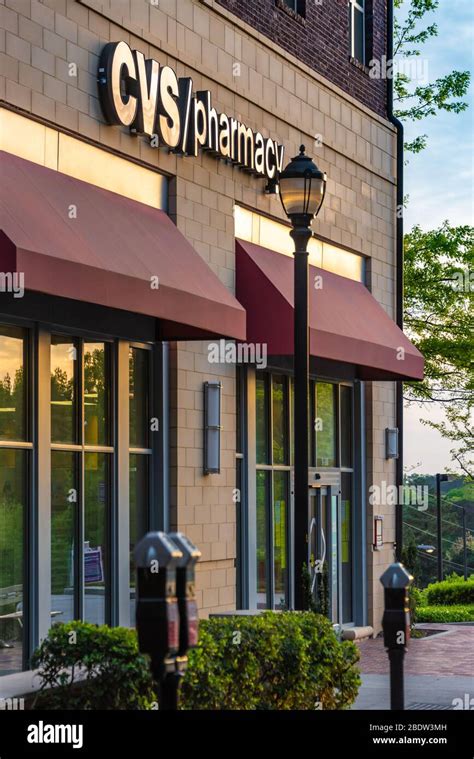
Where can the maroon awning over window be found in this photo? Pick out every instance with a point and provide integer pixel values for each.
(74, 240)
(346, 322)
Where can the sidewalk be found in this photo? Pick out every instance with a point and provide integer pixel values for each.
(438, 670)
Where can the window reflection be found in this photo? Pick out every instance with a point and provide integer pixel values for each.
(139, 498)
(325, 424)
(262, 543)
(12, 384)
(63, 390)
(139, 385)
(96, 394)
(12, 517)
(280, 548)
(96, 537)
(262, 420)
(346, 426)
(64, 504)
(280, 405)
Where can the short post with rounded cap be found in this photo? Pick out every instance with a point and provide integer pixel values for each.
(396, 627)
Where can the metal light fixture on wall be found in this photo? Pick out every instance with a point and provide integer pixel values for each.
(212, 427)
(391, 442)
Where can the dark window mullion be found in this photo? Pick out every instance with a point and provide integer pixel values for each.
(79, 344)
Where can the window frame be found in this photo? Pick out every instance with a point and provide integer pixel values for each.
(355, 6)
(29, 575)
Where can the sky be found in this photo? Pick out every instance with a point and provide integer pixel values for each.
(440, 184)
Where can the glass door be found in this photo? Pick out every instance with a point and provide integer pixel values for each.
(324, 551)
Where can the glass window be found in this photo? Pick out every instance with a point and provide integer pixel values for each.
(262, 541)
(346, 425)
(64, 505)
(139, 499)
(12, 384)
(139, 397)
(280, 542)
(357, 29)
(13, 501)
(262, 419)
(63, 390)
(346, 546)
(279, 410)
(96, 394)
(325, 424)
(96, 537)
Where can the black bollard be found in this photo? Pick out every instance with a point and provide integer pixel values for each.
(396, 628)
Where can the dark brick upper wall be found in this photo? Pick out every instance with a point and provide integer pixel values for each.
(321, 40)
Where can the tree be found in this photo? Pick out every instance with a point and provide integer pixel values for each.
(439, 317)
(416, 101)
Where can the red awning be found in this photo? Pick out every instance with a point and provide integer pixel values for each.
(106, 251)
(347, 324)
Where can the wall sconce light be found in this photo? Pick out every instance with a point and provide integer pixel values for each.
(391, 443)
(378, 532)
(212, 427)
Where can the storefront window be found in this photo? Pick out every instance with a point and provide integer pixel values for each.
(64, 378)
(279, 412)
(139, 398)
(325, 424)
(262, 419)
(96, 537)
(96, 394)
(81, 486)
(346, 546)
(13, 502)
(14, 465)
(64, 505)
(139, 392)
(280, 546)
(262, 541)
(346, 425)
(12, 384)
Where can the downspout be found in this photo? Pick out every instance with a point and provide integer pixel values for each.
(399, 278)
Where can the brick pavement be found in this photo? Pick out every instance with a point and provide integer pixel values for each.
(451, 653)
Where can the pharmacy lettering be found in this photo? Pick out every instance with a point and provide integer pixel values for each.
(151, 100)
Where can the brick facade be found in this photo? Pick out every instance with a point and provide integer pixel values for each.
(320, 39)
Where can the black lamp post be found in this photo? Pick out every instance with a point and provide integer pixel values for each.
(302, 190)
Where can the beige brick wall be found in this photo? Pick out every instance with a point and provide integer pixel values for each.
(271, 92)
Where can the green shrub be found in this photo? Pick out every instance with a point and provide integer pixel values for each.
(287, 660)
(445, 614)
(117, 676)
(449, 593)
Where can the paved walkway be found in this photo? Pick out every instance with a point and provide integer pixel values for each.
(438, 670)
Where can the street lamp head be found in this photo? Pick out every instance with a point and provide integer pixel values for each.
(302, 189)
(426, 547)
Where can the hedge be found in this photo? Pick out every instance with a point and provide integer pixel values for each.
(449, 593)
(117, 676)
(445, 614)
(286, 660)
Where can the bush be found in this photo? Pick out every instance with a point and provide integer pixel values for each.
(287, 660)
(445, 614)
(117, 676)
(450, 593)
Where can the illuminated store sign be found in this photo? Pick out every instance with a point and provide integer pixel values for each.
(151, 100)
